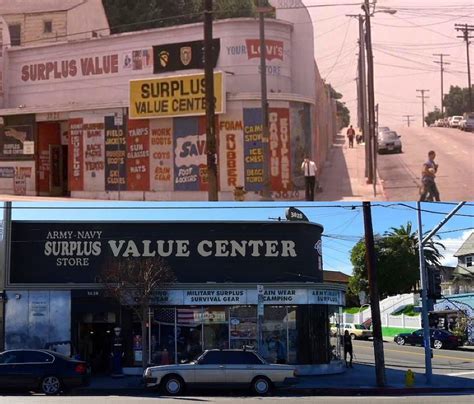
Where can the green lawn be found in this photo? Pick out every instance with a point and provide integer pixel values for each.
(354, 310)
(392, 331)
(408, 311)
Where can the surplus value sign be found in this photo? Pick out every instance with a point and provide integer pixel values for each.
(174, 96)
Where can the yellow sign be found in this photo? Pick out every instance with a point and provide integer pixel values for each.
(174, 96)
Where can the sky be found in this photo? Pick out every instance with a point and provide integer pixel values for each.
(404, 44)
(343, 222)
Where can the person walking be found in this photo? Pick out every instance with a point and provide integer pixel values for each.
(347, 344)
(428, 175)
(350, 135)
(309, 170)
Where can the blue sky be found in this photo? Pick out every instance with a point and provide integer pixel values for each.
(343, 222)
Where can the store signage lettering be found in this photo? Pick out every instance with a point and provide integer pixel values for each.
(173, 96)
(274, 49)
(213, 296)
(279, 149)
(63, 69)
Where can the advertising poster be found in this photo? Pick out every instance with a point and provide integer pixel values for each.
(231, 151)
(279, 149)
(115, 155)
(76, 150)
(300, 123)
(94, 155)
(190, 173)
(138, 155)
(161, 154)
(253, 150)
(49, 134)
(13, 139)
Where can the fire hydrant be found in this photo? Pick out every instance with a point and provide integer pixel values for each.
(409, 378)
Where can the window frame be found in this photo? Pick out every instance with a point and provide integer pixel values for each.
(15, 41)
(47, 23)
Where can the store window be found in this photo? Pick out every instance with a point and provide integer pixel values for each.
(274, 334)
(162, 336)
(243, 327)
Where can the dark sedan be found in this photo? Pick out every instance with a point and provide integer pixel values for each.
(439, 339)
(41, 370)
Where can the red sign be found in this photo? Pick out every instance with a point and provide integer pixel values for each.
(274, 49)
(138, 155)
(76, 155)
(279, 130)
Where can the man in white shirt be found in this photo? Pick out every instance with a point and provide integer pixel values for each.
(309, 170)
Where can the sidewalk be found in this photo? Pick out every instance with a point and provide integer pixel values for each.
(357, 380)
(343, 175)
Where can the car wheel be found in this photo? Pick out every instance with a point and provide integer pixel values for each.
(400, 341)
(437, 344)
(50, 385)
(353, 336)
(173, 385)
(261, 385)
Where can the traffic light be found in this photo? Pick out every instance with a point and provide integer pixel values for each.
(434, 282)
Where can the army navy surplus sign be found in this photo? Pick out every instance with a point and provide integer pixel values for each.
(76, 253)
(182, 56)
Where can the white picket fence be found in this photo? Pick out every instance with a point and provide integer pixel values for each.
(401, 321)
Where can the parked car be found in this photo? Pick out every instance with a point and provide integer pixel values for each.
(454, 121)
(221, 368)
(438, 338)
(41, 370)
(389, 141)
(356, 331)
(462, 124)
(383, 129)
(468, 119)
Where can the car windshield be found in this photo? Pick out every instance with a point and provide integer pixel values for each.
(384, 128)
(360, 327)
(389, 135)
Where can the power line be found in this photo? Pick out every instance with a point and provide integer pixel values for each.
(441, 62)
(408, 119)
(423, 96)
(466, 30)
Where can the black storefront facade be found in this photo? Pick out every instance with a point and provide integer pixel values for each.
(238, 283)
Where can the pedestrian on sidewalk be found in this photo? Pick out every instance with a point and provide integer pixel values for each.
(347, 344)
(350, 135)
(429, 190)
(309, 170)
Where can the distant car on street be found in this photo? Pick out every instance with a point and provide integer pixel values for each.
(438, 338)
(221, 368)
(389, 142)
(356, 331)
(41, 370)
(468, 122)
(454, 121)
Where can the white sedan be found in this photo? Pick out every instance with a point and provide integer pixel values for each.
(221, 368)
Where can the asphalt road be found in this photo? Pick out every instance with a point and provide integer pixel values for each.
(454, 149)
(445, 362)
(436, 399)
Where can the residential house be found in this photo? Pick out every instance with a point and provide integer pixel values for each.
(462, 276)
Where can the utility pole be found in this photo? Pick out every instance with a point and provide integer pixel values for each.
(441, 62)
(266, 191)
(408, 119)
(370, 89)
(210, 104)
(466, 29)
(423, 96)
(374, 296)
(362, 85)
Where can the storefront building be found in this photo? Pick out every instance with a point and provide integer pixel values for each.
(238, 284)
(122, 116)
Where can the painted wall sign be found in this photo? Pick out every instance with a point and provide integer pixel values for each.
(67, 68)
(161, 154)
(274, 49)
(94, 153)
(190, 159)
(76, 155)
(138, 155)
(173, 96)
(196, 251)
(231, 150)
(279, 145)
(115, 156)
(182, 56)
(253, 149)
(7, 172)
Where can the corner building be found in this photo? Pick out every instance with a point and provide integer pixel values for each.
(238, 284)
(122, 116)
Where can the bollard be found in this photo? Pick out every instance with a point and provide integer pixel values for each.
(409, 378)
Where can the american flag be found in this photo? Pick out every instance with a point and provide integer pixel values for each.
(184, 316)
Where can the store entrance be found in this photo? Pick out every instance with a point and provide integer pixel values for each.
(95, 345)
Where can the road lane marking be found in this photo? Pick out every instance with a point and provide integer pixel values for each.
(420, 354)
(460, 374)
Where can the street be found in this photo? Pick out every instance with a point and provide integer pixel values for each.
(400, 173)
(445, 362)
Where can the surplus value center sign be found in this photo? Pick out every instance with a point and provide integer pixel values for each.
(174, 96)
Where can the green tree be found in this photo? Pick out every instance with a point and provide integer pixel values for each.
(433, 116)
(342, 111)
(456, 101)
(397, 261)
